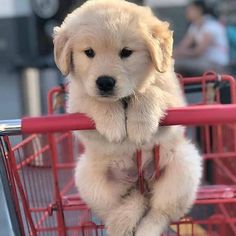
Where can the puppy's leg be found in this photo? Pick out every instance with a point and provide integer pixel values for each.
(110, 121)
(174, 192)
(144, 113)
(125, 218)
(118, 207)
(95, 189)
(109, 118)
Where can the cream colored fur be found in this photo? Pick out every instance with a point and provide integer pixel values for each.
(148, 79)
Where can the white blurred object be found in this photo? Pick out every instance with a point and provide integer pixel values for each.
(32, 99)
(13, 8)
(45, 8)
(165, 3)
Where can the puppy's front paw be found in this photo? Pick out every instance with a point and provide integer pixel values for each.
(124, 219)
(110, 122)
(143, 119)
(141, 131)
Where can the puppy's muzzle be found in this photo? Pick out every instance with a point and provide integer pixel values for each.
(105, 85)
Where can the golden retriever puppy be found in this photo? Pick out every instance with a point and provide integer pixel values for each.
(118, 59)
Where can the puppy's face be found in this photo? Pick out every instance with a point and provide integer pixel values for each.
(111, 62)
(113, 47)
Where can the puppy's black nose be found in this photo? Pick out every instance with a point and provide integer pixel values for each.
(105, 83)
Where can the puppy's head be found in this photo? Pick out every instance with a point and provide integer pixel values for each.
(113, 47)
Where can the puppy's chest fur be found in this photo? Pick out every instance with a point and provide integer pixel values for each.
(120, 163)
(120, 159)
(125, 168)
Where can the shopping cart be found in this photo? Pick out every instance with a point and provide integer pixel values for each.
(38, 155)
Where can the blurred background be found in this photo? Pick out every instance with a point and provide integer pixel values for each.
(27, 69)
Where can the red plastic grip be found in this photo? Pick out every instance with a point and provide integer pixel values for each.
(56, 123)
(193, 115)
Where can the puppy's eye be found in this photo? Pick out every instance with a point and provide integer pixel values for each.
(89, 53)
(125, 52)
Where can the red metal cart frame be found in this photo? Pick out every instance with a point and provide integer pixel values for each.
(40, 168)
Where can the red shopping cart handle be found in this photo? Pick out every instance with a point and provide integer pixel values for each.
(193, 115)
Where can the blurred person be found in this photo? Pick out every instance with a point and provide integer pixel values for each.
(231, 35)
(205, 45)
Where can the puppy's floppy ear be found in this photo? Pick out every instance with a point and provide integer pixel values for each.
(62, 50)
(159, 40)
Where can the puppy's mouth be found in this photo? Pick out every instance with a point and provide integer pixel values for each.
(111, 96)
(108, 96)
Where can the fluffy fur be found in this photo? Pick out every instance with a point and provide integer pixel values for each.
(106, 173)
